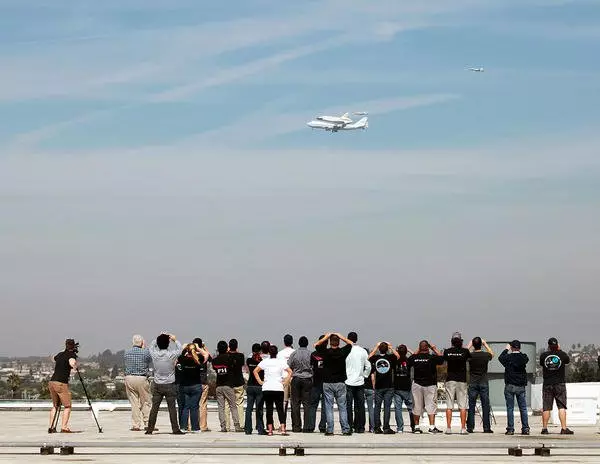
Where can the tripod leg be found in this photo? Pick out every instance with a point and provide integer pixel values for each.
(89, 402)
(54, 422)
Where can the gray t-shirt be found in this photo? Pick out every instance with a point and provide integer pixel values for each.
(478, 364)
(164, 363)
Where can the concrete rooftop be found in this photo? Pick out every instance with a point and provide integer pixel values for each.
(23, 432)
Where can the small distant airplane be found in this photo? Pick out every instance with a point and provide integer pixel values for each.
(476, 69)
(337, 126)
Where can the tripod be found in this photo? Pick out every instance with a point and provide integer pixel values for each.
(88, 400)
(481, 415)
(54, 424)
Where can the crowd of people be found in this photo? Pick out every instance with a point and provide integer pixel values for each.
(335, 369)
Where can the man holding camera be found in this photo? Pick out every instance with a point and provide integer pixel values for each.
(59, 384)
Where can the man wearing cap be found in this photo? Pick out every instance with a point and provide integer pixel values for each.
(553, 362)
(456, 359)
(515, 383)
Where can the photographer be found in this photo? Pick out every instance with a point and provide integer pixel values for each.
(59, 384)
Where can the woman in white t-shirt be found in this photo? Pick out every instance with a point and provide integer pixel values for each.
(273, 386)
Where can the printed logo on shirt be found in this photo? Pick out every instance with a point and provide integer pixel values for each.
(220, 369)
(402, 370)
(382, 366)
(552, 362)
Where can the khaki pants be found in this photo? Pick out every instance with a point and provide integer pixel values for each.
(239, 401)
(204, 408)
(138, 394)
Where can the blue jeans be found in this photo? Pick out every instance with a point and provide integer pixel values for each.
(254, 396)
(510, 391)
(385, 396)
(483, 391)
(337, 391)
(316, 396)
(370, 398)
(401, 396)
(191, 406)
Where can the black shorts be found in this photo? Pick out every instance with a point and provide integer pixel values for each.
(556, 392)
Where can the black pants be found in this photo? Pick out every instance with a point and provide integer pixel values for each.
(269, 398)
(355, 403)
(160, 391)
(300, 395)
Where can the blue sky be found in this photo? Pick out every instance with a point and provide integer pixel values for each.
(154, 153)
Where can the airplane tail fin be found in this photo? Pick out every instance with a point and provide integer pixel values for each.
(363, 123)
(345, 115)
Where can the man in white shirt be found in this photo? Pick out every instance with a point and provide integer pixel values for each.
(358, 369)
(285, 354)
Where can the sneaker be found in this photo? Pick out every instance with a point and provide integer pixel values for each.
(205, 430)
(223, 430)
(464, 432)
(525, 432)
(400, 431)
(417, 430)
(509, 432)
(239, 429)
(448, 431)
(545, 432)
(378, 431)
(177, 432)
(485, 431)
(328, 434)
(388, 432)
(51, 430)
(434, 430)
(347, 434)
(472, 431)
(566, 431)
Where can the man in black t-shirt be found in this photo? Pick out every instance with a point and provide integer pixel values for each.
(59, 384)
(316, 393)
(334, 377)
(456, 381)
(222, 365)
(402, 389)
(424, 387)
(383, 383)
(254, 393)
(478, 383)
(236, 379)
(553, 362)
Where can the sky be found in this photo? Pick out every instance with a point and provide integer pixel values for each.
(157, 173)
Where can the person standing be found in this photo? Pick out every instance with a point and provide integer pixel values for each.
(137, 386)
(254, 395)
(424, 387)
(370, 398)
(456, 358)
(163, 359)
(358, 368)
(478, 383)
(276, 375)
(334, 376)
(316, 393)
(299, 363)
(285, 354)
(190, 387)
(553, 362)
(59, 385)
(222, 365)
(515, 384)
(237, 380)
(383, 383)
(402, 389)
(205, 358)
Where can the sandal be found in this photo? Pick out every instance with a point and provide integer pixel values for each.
(66, 431)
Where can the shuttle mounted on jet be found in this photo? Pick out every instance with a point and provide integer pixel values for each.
(476, 69)
(337, 126)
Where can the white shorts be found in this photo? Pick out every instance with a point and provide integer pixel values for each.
(458, 391)
(424, 399)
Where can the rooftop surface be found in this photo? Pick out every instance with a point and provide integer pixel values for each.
(22, 433)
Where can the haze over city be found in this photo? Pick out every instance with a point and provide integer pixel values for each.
(156, 171)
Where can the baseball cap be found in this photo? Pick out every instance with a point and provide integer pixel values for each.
(456, 335)
(516, 344)
(552, 341)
